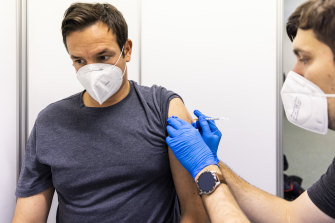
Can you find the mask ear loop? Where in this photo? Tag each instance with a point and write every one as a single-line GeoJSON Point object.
{"type": "Point", "coordinates": [125, 67]}
{"type": "Point", "coordinates": [314, 95]}
{"type": "Point", "coordinates": [119, 57]}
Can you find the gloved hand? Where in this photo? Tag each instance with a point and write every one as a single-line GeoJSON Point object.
{"type": "Point", "coordinates": [188, 146]}
{"type": "Point", "coordinates": [209, 132]}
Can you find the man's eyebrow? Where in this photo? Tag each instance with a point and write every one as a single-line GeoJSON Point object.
{"type": "Point", "coordinates": [105, 51]}
{"type": "Point", "coordinates": [298, 51]}
{"type": "Point", "coordinates": [97, 54]}
{"type": "Point", "coordinates": [75, 57]}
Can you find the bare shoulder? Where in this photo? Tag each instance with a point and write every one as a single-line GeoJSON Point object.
{"type": "Point", "coordinates": [178, 108]}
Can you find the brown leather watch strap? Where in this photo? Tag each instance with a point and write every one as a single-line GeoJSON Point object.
{"type": "Point", "coordinates": [221, 178]}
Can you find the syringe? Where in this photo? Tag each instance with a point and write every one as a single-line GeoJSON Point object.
{"type": "Point", "coordinates": [218, 118]}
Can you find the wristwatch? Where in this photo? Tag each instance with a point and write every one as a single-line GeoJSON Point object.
{"type": "Point", "coordinates": [208, 181]}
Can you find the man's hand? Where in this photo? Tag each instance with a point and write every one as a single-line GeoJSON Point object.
{"type": "Point", "coordinates": [188, 146]}
{"type": "Point", "coordinates": [209, 132]}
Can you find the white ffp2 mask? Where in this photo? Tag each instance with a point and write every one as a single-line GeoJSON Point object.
{"type": "Point", "coordinates": [101, 80]}
{"type": "Point", "coordinates": [305, 104]}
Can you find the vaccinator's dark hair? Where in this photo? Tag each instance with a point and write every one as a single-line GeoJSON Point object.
{"type": "Point", "coordinates": [318, 15]}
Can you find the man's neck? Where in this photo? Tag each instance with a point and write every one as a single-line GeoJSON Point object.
{"type": "Point", "coordinates": [116, 98]}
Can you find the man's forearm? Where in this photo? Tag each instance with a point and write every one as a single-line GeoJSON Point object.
{"type": "Point", "coordinates": [221, 205]}
{"type": "Point", "coordinates": [34, 209]}
{"type": "Point", "coordinates": [193, 218]}
{"type": "Point", "coordinates": [258, 205]}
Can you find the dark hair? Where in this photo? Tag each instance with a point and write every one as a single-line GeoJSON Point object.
{"type": "Point", "coordinates": [81, 15]}
{"type": "Point", "coordinates": [318, 15]}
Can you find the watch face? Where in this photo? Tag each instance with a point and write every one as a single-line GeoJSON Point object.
{"type": "Point", "coordinates": [206, 182]}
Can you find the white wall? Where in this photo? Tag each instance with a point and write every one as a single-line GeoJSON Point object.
{"type": "Point", "coordinates": [220, 56]}
{"type": "Point", "coordinates": [8, 158]}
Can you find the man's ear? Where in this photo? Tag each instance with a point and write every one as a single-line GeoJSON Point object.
{"type": "Point", "coordinates": [128, 49]}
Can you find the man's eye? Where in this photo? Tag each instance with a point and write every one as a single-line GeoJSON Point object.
{"type": "Point", "coordinates": [79, 61]}
{"type": "Point", "coordinates": [304, 60]}
{"type": "Point", "coordinates": [104, 57]}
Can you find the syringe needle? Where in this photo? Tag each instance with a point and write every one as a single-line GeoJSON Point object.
{"type": "Point", "coordinates": [218, 118]}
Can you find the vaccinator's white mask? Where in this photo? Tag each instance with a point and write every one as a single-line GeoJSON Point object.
{"type": "Point", "coordinates": [101, 80]}
{"type": "Point", "coordinates": [305, 103]}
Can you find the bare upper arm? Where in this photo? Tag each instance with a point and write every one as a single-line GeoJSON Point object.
{"type": "Point", "coordinates": [187, 191]}
{"type": "Point", "coordinates": [305, 211]}
{"type": "Point", "coordinates": [34, 209]}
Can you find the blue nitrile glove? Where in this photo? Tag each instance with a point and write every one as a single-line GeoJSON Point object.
{"type": "Point", "coordinates": [209, 132]}
{"type": "Point", "coordinates": [188, 146]}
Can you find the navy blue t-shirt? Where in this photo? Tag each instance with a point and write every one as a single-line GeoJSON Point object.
{"type": "Point", "coordinates": [107, 164]}
{"type": "Point", "coordinates": [322, 193]}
